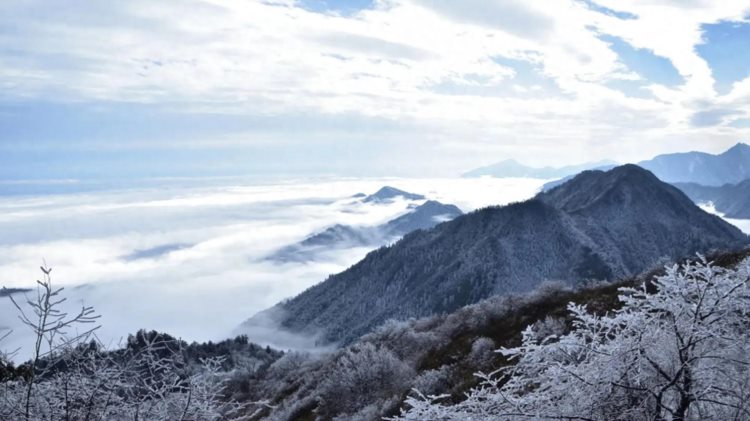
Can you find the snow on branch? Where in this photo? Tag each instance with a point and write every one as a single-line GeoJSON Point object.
{"type": "Point", "coordinates": [677, 351]}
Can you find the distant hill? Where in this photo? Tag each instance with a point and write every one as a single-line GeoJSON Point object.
{"type": "Point", "coordinates": [599, 225]}
{"type": "Point", "coordinates": [729, 167]}
{"type": "Point", "coordinates": [424, 216]}
{"type": "Point", "coordinates": [512, 168]}
{"type": "Point", "coordinates": [155, 252]}
{"type": "Point", "coordinates": [7, 292]}
{"type": "Point", "coordinates": [732, 200]}
{"type": "Point", "coordinates": [389, 193]}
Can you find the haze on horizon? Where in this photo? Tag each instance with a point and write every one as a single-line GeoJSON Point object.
{"type": "Point", "coordinates": [363, 88]}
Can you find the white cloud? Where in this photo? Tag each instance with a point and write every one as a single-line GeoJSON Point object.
{"type": "Point", "coordinates": [272, 58]}
{"type": "Point", "coordinates": [218, 277]}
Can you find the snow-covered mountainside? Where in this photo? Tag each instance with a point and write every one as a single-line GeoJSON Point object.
{"type": "Point", "coordinates": [732, 200]}
{"type": "Point", "coordinates": [440, 355]}
{"type": "Point", "coordinates": [600, 225]}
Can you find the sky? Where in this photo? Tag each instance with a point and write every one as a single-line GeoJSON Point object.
{"type": "Point", "coordinates": [138, 88]}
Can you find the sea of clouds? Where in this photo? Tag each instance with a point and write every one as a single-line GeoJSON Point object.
{"type": "Point", "coordinates": [189, 259]}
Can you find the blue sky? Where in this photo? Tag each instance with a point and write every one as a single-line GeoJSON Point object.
{"type": "Point", "coordinates": [356, 88]}
{"type": "Point", "coordinates": [650, 67]}
{"type": "Point", "coordinates": [346, 7]}
{"type": "Point", "coordinates": [726, 50]}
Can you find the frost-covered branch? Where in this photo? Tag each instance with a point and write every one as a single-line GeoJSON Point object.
{"type": "Point", "coordinates": [678, 353]}
{"type": "Point", "coordinates": [73, 377]}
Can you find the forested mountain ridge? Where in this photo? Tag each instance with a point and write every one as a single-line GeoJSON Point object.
{"type": "Point", "coordinates": [378, 374]}
{"type": "Point", "coordinates": [600, 225]}
{"type": "Point", "coordinates": [627, 209]}
{"type": "Point", "coordinates": [438, 355]}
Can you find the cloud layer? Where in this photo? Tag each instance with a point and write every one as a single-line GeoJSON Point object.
{"type": "Point", "coordinates": [190, 260]}
{"type": "Point", "coordinates": [412, 86]}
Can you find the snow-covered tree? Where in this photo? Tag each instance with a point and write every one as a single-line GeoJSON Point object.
{"type": "Point", "coordinates": [72, 377]}
{"type": "Point", "coordinates": [677, 349]}
{"type": "Point", "coordinates": [359, 374]}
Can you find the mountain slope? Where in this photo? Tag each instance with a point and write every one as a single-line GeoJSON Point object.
{"type": "Point", "coordinates": [439, 353]}
{"type": "Point", "coordinates": [731, 166]}
{"type": "Point", "coordinates": [600, 225]}
{"type": "Point", "coordinates": [512, 168]}
{"type": "Point", "coordinates": [630, 213]}
{"type": "Point", "coordinates": [733, 200]}
{"type": "Point", "coordinates": [424, 216]}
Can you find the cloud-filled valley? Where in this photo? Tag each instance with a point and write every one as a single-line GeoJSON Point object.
{"type": "Point", "coordinates": [191, 261]}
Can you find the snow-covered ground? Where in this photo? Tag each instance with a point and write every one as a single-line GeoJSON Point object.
{"type": "Point", "coordinates": [190, 260]}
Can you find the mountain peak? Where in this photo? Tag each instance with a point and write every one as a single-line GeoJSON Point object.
{"type": "Point", "coordinates": [629, 169]}
{"type": "Point", "coordinates": [632, 173]}
{"type": "Point", "coordinates": [388, 193]}
{"type": "Point", "coordinates": [621, 184]}
{"type": "Point", "coordinates": [629, 172]}
{"type": "Point", "coordinates": [738, 148]}
{"type": "Point", "coordinates": [433, 204]}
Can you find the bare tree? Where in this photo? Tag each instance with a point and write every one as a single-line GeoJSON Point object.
{"type": "Point", "coordinates": [50, 326]}
{"type": "Point", "coordinates": [72, 376]}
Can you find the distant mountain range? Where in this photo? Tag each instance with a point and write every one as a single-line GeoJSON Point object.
{"type": "Point", "coordinates": [732, 200]}
{"type": "Point", "coordinates": [599, 225]}
{"type": "Point", "coordinates": [512, 168]}
{"type": "Point", "coordinates": [730, 167]}
{"type": "Point", "coordinates": [424, 216]}
{"type": "Point", "coordinates": [7, 292]}
{"type": "Point", "coordinates": [722, 179]}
